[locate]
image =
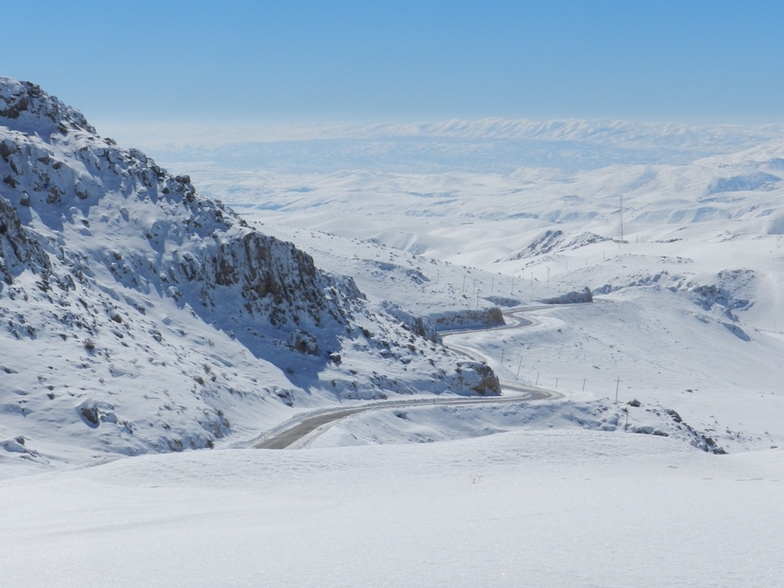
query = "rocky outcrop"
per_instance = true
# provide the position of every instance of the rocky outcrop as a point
(571, 297)
(416, 324)
(19, 250)
(468, 319)
(26, 107)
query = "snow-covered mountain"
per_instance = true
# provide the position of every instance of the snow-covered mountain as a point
(695, 323)
(140, 316)
(484, 146)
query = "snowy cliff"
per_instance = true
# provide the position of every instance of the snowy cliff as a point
(137, 315)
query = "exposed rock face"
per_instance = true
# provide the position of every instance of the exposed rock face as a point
(486, 382)
(572, 297)
(416, 324)
(31, 109)
(19, 250)
(468, 319)
(182, 245)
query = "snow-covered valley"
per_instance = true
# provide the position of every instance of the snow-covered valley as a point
(156, 325)
(694, 303)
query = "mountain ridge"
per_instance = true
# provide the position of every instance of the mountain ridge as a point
(106, 259)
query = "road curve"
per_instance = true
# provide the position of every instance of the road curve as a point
(512, 321)
(302, 428)
(306, 425)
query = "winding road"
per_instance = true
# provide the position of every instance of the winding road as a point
(288, 436)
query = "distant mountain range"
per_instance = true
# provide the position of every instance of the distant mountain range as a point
(487, 145)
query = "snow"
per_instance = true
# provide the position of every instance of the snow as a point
(558, 508)
(441, 227)
(140, 316)
(427, 424)
(718, 382)
(697, 304)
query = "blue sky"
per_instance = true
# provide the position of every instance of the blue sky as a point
(363, 61)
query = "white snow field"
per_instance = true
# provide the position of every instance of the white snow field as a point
(105, 473)
(554, 508)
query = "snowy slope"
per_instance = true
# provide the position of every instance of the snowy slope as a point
(697, 311)
(439, 226)
(140, 316)
(543, 509)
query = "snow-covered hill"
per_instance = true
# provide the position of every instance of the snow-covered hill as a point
(698, 298)
(140, 316)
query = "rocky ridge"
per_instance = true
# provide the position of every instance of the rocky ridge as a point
(137, 315)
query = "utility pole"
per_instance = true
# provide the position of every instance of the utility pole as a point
(519, 366)
(617, 384)
(503, 351)
(584, 384)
